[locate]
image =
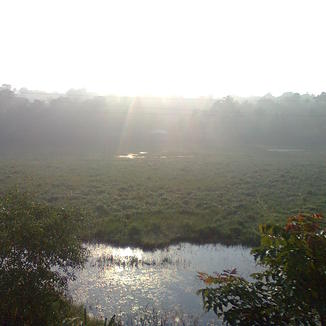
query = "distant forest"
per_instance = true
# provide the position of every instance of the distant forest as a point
(78, 122)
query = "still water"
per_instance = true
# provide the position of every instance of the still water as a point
(129, 281)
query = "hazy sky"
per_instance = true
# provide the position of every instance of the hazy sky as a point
(153, 47)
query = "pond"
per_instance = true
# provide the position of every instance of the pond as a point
(129, 281)
(285, 150)
(133, 155)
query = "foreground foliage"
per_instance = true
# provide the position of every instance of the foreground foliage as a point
(39, 247)
(291, 290)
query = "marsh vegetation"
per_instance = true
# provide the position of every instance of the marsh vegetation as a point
(199, 198)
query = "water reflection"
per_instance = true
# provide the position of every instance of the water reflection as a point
(133, 155)
(125, 280)
(285, 150)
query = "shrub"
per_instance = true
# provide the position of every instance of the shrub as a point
(39, 247)
(292, 288)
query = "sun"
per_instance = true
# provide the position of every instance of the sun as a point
(164, 48)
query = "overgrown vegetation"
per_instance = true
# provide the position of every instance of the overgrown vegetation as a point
(199, 197)
(292, 288)
(39, 250)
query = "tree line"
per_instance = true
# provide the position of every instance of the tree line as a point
(82, 122)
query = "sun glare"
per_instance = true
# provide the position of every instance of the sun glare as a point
(187, 48)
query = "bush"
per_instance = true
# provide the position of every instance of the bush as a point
(292, 288)
(39, 248)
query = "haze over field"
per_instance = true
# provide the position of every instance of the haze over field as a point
(78, 122)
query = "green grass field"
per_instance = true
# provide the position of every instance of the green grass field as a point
(200, 197)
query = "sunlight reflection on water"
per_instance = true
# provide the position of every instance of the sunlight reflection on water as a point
(133, 155)
(125, 280)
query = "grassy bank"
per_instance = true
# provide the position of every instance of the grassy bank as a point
(170, 197)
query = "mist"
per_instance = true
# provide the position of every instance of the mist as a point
(78, 122)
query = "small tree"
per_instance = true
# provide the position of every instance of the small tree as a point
(291, 290)
(39, 247)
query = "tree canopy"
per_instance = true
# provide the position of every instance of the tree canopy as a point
(291, 289)
(39, 247)
(77, 122)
